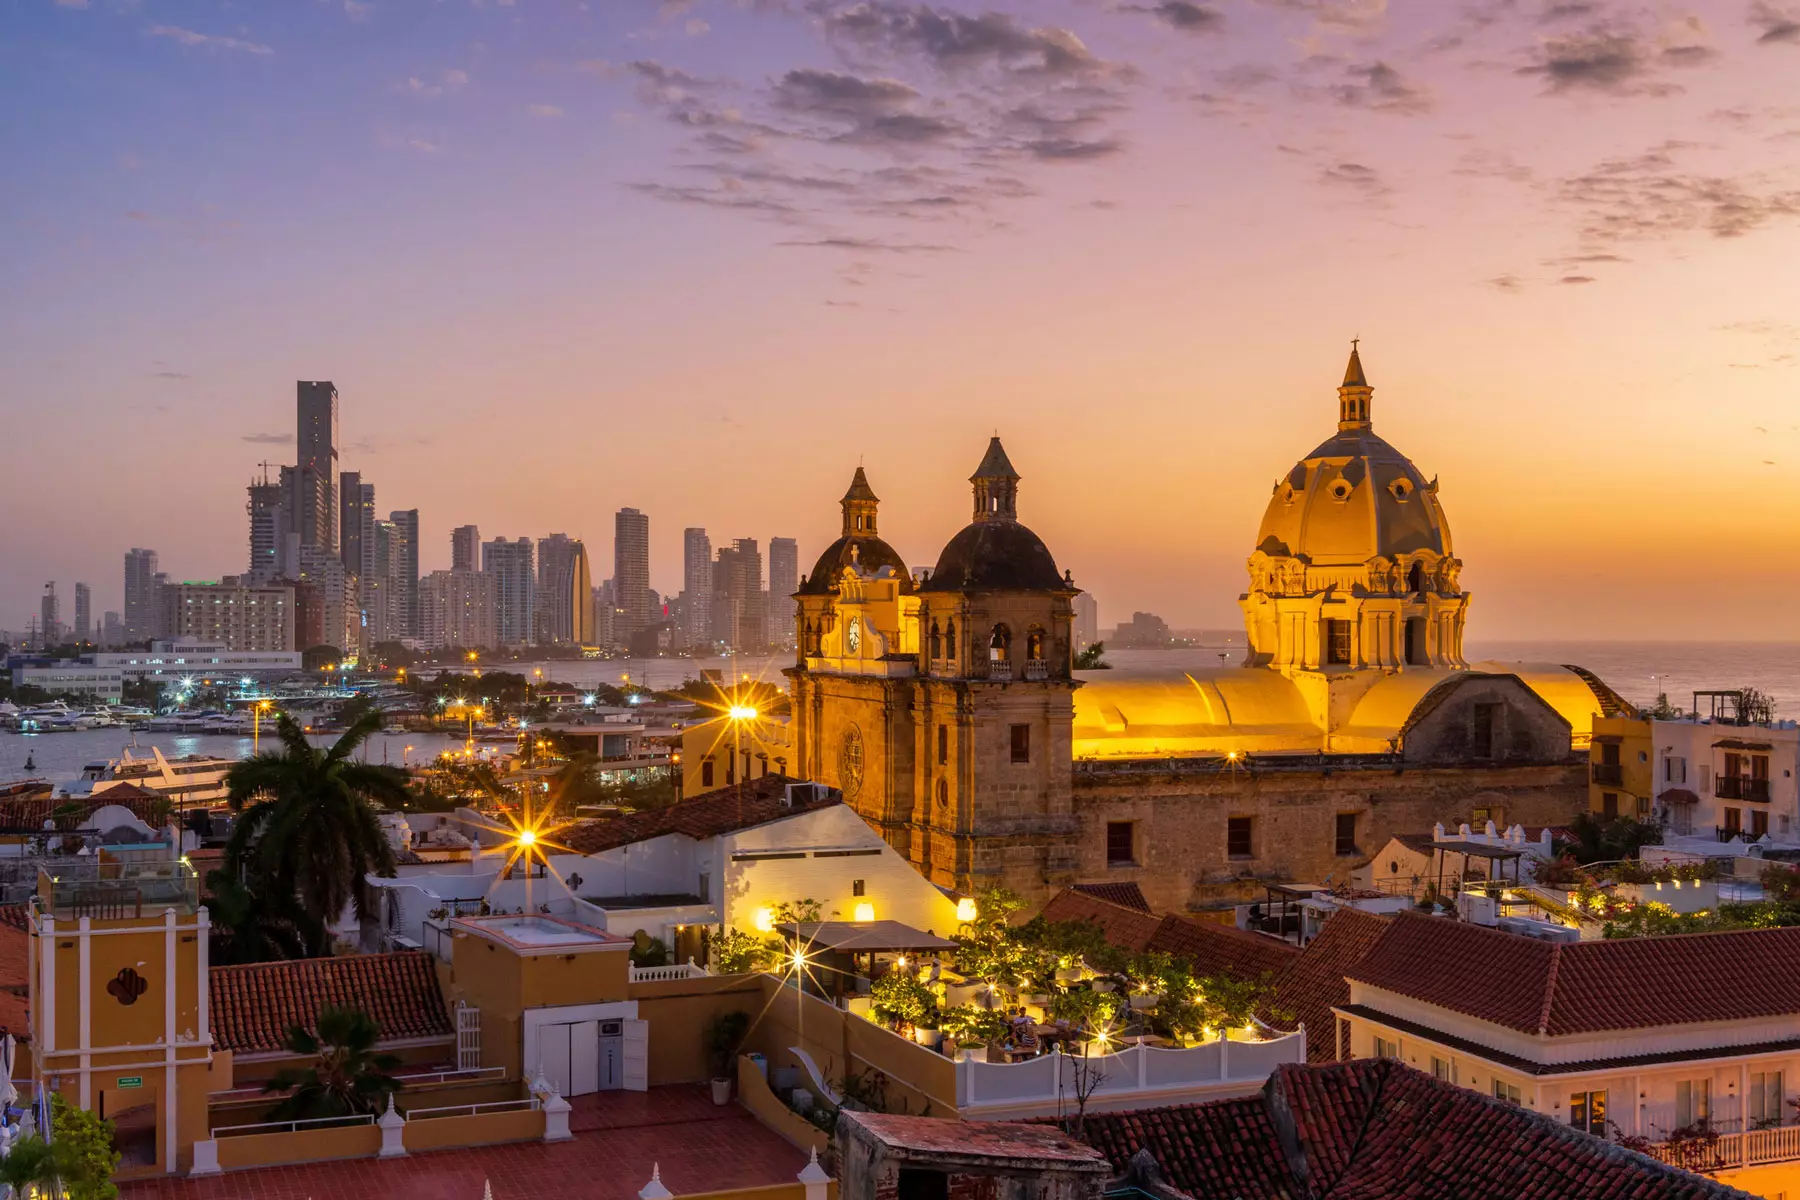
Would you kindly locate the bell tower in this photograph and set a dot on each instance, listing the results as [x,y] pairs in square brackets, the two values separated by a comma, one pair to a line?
[996,485]
[861,505]
[1355,394]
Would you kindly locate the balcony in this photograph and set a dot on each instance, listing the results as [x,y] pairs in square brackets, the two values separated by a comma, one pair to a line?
[999,671]
[1037,668]
[1741,787]
[1609,773]
[110,891]
[1729,1151]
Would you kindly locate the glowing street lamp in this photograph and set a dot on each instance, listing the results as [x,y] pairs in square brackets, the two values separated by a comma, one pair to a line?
[256,712]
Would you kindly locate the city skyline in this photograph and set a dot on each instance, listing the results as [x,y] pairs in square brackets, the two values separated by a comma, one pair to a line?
[724,241]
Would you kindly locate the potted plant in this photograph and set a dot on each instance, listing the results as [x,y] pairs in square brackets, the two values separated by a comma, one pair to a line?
[724,1035]
[975,1028]
[901,1000]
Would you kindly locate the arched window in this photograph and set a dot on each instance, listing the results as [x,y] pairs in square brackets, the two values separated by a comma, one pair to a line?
[950,638]
[1415,578]
[943,744]
[937,641]
[999,644]
[943,793]
[1034,645]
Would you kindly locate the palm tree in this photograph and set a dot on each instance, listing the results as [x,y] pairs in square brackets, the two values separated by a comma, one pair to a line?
[307,825]
[257,926]
[346,1077]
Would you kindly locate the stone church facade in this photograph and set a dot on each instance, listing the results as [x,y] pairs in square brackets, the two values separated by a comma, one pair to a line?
[947,708]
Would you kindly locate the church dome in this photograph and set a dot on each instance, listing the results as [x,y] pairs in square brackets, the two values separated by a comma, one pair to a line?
[994,553]
[859,547]
[1355,498]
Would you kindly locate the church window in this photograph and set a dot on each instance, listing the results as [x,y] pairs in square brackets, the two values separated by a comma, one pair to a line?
[1120,844]
[1337,643]
[937,641]
[1415,642]
[1000,644]
[1345,841]
[1021,743]
[1482,737]
[1238,837]
[943,791]
[950,638]
[706,773]
[943,744]
[1415,578]
[1034,645]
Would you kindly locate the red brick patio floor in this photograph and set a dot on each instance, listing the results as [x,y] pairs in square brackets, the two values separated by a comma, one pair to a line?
[618,1137]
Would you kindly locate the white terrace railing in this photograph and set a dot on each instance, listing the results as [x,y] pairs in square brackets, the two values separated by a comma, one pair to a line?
[219,1131]
[529,1104]
[687,970]
[1757,1148]
[1140,1075]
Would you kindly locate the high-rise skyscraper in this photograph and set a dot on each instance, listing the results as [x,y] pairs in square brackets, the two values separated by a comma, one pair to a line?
[740,616]
[112,630]
[696,586]
[510,563]
[784,581]
[403,569]
[50,616]
[465,548]
[631,573]
[1086,628]
[84,613]
[456,609]
[579,587]
[268,520]
[356,523]
[316,468]
[140,594]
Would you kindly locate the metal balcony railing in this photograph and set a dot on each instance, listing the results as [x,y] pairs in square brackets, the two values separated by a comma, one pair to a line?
[1741,787]
[1611,773]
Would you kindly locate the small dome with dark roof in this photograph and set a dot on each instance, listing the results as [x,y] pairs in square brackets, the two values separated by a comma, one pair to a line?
[994,553]
[859,547]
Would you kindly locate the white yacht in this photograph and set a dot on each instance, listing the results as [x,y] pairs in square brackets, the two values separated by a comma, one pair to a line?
[193,779]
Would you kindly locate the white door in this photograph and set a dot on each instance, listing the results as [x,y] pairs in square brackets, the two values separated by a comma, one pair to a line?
[554,1050]
[584,1058]
[637,1056]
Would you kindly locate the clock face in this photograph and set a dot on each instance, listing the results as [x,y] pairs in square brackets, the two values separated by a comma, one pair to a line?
[853,635]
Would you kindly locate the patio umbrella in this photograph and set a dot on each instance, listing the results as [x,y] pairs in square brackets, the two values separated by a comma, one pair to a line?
[8,1093]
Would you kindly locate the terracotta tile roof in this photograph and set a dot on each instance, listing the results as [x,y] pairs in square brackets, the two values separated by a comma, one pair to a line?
[1587,987]
[1216,949]
[982,1139]
[707,815]
[254,1006]
[12,916]
[1124,927]
[1212,948]
[15,975]
[1128,895]
[1314,982]
[31,814]
[1377,1130]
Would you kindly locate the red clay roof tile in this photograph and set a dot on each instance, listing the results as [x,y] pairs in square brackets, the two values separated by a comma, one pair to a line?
[1377,1130]
[1216,949]
[1124,927]
[1128,895]
[254,1006]
[709,814]
[1314,982]
[1587,987]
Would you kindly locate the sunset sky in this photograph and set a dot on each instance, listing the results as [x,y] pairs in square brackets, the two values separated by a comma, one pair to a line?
[702,258]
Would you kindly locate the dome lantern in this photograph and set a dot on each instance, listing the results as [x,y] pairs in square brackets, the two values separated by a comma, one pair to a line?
[996,485]
[861,505]
[1355,395]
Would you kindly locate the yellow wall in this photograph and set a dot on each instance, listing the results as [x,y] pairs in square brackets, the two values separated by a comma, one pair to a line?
[1777,1179]
[307,1145]
[1637,765]
[503,984]
[679,1011]
[478,1129]
[754,1093]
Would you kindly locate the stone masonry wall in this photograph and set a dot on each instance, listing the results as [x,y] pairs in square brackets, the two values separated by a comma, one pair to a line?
[1180,822]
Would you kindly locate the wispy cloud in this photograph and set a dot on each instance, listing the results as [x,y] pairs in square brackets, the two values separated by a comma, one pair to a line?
[209,41]
[1617,60]
[544,110]
[267,439]
[1776,24]
[1380,88]
[449,79]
